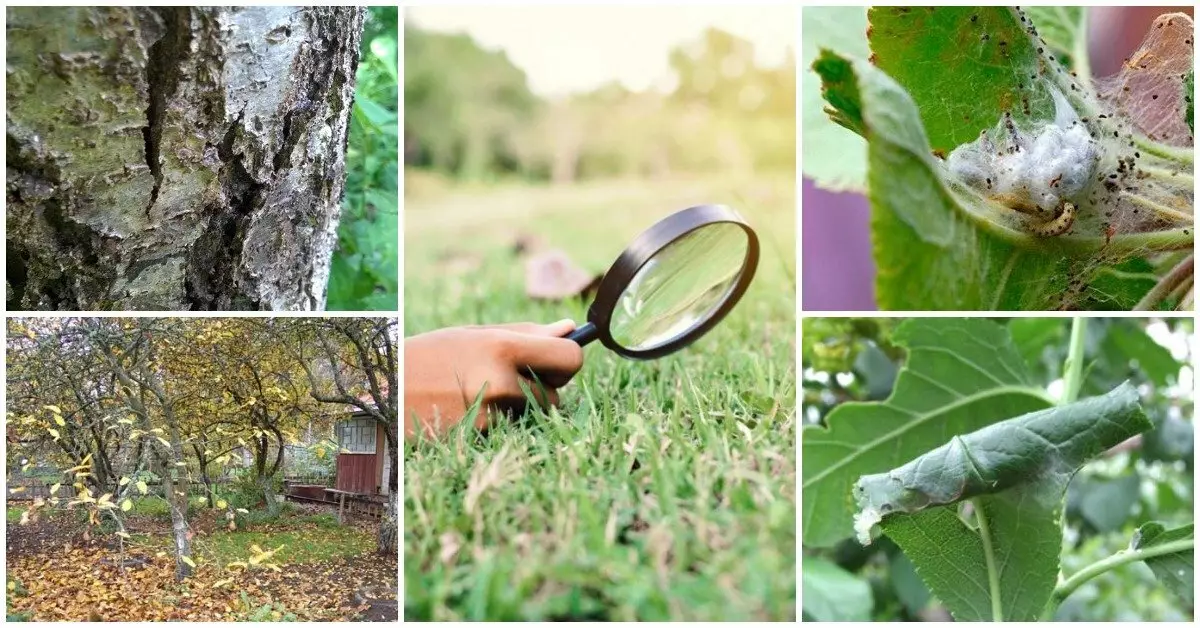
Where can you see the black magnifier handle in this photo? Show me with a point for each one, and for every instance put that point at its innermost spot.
(584, 334)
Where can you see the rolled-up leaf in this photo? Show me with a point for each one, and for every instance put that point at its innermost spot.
(1002, 455)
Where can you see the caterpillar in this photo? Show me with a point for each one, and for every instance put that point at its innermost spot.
(1057, 225)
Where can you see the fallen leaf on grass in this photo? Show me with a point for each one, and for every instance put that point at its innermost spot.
(552, 276)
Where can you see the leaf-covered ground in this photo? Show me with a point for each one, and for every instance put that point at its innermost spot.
(327, 573)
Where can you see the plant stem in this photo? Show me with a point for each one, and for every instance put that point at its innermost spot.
(1179, 294)
(1171, 214)
(989, 557)
(1167, 284)
(1173, 176)
(1073, 368)
(1082, 62)
(1068, 587)
(1174, 153)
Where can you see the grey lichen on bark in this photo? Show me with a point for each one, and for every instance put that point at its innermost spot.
(176, 158)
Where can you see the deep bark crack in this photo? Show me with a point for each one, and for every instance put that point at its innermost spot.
(163, 71)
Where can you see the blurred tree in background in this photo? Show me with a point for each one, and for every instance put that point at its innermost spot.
(365, 266)
(470, 116)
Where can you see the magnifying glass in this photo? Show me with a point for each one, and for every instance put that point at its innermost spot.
(676, 281)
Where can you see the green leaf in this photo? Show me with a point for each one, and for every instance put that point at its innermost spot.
(941, 75)
(1171, 439)
(960, 375)
(1138, 348)
(1064, 29)
(1037, 337)
(834, 594)
(931, 247)
(909, 587)
(834, 159)
(962, 66)
(1173, 570)
(1004, 563)
(1106, 504)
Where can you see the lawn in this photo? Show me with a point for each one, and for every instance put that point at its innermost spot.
(661, 490)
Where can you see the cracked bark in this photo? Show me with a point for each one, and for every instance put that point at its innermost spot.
(176, 158)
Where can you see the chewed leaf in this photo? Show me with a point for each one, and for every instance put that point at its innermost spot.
(1006, 454)
(1176, 570)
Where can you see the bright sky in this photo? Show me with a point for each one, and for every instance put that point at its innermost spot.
(565, 49)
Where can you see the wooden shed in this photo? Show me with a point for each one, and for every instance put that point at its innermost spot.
(362, 460)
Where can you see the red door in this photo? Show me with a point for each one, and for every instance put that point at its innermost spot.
(356, 473)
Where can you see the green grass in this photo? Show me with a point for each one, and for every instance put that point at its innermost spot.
(151, 506)
(662, 490)
(302, 544)
(12, 514)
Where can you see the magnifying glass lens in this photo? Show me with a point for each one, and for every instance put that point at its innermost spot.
(683, 285)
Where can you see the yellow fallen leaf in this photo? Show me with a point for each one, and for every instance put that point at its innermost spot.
(221, 503)
(54, 409)
(126, 505)
(19, 489)
(123, 535)
(255, 548)
(164, 441)
(141, 486)
(189, 561)
(54, 433)
(123, 481)
(220, 583)
(58, 419)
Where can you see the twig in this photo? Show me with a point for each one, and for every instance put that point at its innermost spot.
(1180, 274)
(1068, 587)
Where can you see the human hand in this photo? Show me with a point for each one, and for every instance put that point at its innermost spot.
(445, 370)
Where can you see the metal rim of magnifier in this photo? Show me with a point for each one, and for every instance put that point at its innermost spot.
(643, 249)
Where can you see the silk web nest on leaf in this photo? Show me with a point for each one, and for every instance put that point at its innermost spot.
(1034, 171)
(1092, 166)
(1086, 173)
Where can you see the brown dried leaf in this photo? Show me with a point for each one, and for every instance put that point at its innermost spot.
(553, 276)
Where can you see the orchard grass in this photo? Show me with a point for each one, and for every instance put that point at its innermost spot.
(662, 490)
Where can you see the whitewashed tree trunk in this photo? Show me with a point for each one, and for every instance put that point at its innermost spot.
(389, 525)
(176, 158)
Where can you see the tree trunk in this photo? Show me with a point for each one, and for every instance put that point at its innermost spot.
(176, 158)
(175, 475)
(269, 497)
(389, 524)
